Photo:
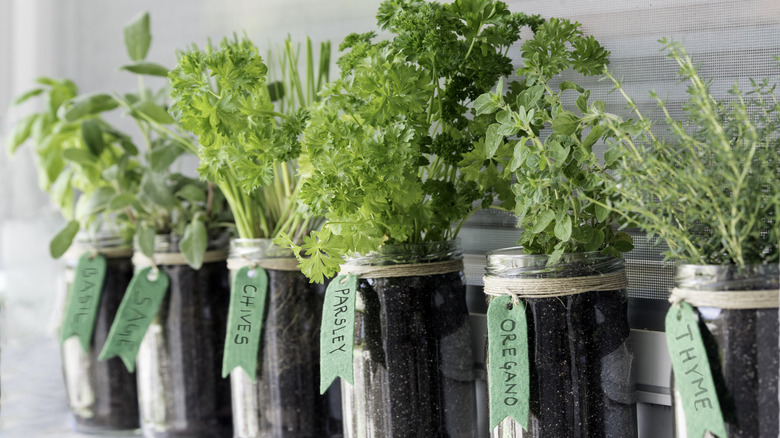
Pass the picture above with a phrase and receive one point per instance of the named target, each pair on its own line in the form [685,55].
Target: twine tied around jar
[410,270]
[553,287]
[109,253]
[274,263]
[730,299]
[140,260]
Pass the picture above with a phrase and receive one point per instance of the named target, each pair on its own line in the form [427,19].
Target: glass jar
[180,387]
[102,395]
[284,401]
[412,363]
[581,383]
[742,345]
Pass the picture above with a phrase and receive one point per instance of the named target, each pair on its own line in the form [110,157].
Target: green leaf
[543,221]
[557,152]
[582,101]
[191,193]
[128,146]
[593,136]
[555,256]
[28,95]
[584,234]
[92,203]
[64,238]
[138,38]
[598,240]
[492,140]
[611,155]
[145,239]
[80,156]
[563,229]
[194,243]
[120,201]
[20,133]
[87,105]
[529,98]
[485,104]
[623,246]
[92,134]
[164,155]
[569,85]
[508,129]
[154,112]
[154,186]
[601,212]
[146,68]
[63,193]
[565,123]
[521,153]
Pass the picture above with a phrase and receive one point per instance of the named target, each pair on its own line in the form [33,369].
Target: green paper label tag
[83,299]
[245,321]
[337,333]
[692,374]
[138,307]
[508,369]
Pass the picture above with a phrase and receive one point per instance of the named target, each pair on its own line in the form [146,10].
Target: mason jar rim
[512,262]
[410,253]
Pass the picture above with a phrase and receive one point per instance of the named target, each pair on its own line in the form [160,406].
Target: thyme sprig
[712,190]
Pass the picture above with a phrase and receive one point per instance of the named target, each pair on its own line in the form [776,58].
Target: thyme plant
[711,191]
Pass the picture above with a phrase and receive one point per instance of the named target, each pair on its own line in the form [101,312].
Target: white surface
[34,403]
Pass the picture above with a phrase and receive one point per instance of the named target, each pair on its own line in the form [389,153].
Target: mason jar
[412,363]
[102,395]
[284,400]
[580,359]
[742,346]
[181,390]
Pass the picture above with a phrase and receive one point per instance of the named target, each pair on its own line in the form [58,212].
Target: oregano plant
[537,152]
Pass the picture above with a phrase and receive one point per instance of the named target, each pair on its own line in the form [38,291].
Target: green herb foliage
[93,171]
[83,162]
[383,147]
[711,192]
[166,202]
[559,194]
[246,146]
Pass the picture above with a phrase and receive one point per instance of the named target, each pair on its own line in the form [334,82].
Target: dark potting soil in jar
[114,404]
[742,347]
[288,368]
[412,361]
[191,326]
[580,375]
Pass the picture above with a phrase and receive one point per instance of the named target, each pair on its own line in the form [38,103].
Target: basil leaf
[63,239]
[138,38]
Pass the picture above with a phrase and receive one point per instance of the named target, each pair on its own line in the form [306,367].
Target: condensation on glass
[413,366]
[102,395]
[284,401]
[180,385]
[742,345]
[581,382]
